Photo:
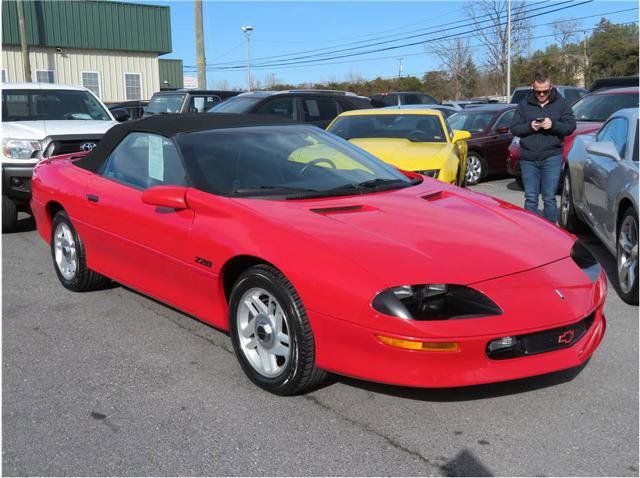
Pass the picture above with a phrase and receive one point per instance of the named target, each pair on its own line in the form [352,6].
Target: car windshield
[422,128]
[47,105]
[472,120]
[237,104]
[283,162]
[600,107]
[165,103]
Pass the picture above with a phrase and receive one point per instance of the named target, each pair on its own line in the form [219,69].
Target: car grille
[66,146]
[545,340]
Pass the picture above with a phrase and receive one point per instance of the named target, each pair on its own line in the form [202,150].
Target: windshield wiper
[378,182]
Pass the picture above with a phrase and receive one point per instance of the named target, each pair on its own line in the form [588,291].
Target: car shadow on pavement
[474,392]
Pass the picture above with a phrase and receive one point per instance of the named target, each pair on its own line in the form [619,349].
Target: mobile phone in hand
[539,120]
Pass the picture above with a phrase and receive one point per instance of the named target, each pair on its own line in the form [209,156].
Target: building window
[5,77]
[45,76]
[132,86]
[91,81]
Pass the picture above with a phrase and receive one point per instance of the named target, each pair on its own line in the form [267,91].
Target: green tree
[613,50]
[469,78]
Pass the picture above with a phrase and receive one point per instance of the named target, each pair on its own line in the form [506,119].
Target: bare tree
[489,17]
[454,55]
[565,32]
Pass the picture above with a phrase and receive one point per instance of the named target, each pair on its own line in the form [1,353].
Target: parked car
[317,107]
[135,109]
[40,120]
[445,110]
[339,263]
[186,101]
[418,140]
[613,82]
[462,104]
[590,111]
[601,191]
[490,138]
[569,93]
[397,98]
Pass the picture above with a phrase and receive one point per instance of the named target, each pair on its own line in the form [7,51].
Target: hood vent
[435,196]
[337,209]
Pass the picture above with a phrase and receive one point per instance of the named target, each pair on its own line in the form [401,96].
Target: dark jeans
[541,177]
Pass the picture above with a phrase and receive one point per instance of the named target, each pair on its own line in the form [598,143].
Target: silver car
[601,191]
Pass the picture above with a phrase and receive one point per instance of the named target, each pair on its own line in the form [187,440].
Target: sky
[286,30]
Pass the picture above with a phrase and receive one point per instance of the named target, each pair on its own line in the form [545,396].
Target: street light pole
[247,29]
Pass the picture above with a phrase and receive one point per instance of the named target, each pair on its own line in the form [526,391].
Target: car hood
[38,130]
[431,232]
[402,152]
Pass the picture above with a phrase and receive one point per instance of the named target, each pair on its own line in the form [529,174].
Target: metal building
[112,48]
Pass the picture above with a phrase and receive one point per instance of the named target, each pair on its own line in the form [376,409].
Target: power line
[302,60]
[425,32]
[422,53]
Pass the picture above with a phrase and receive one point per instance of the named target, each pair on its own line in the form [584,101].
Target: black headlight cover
[458,302]
[585,260]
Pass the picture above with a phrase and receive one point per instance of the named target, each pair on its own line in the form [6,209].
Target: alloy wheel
[263,332]
[474,169]
[65,251]
[628,254]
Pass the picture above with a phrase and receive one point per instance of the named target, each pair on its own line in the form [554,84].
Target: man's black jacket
[541,144]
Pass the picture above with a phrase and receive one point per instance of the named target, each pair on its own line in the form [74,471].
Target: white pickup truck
[41,120]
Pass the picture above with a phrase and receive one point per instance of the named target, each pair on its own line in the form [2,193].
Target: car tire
[476,168]
[9,214]
[627,256]
[69,257]
[271,334]
[568,218]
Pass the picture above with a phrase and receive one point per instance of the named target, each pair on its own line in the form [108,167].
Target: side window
[201,104]
[616,132]
[319,109]
[279,107]
[505,119]
[143,160]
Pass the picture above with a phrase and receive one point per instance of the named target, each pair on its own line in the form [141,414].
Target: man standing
[542,120]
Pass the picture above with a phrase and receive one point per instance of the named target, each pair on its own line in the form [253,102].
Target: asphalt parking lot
[114,383]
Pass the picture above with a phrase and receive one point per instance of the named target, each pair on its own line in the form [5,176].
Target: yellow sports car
[416,139]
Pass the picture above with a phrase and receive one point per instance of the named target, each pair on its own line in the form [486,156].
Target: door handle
[93,198]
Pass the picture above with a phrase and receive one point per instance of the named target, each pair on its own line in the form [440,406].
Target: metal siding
[69,66]
[171,71]
[98,24]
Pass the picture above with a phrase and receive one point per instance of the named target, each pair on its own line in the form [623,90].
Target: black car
[186,101]
[398,98]
[317,107]
[134,109]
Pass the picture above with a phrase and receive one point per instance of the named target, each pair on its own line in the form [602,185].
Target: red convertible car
[317,257]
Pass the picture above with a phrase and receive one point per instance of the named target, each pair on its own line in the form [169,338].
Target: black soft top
[171,125]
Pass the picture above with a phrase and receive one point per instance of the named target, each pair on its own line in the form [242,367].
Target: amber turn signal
[419,345]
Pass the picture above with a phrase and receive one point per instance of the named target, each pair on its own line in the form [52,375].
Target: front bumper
[354,349]
[16,181]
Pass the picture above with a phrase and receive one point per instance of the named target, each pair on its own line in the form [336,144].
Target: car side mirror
[502,129]
[604,148]
[459,135]
[174,197]
[120,114]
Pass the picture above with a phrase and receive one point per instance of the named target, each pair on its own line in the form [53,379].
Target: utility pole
[400,67]
[23,42]
[200,60]
[247,29]
[508,50]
